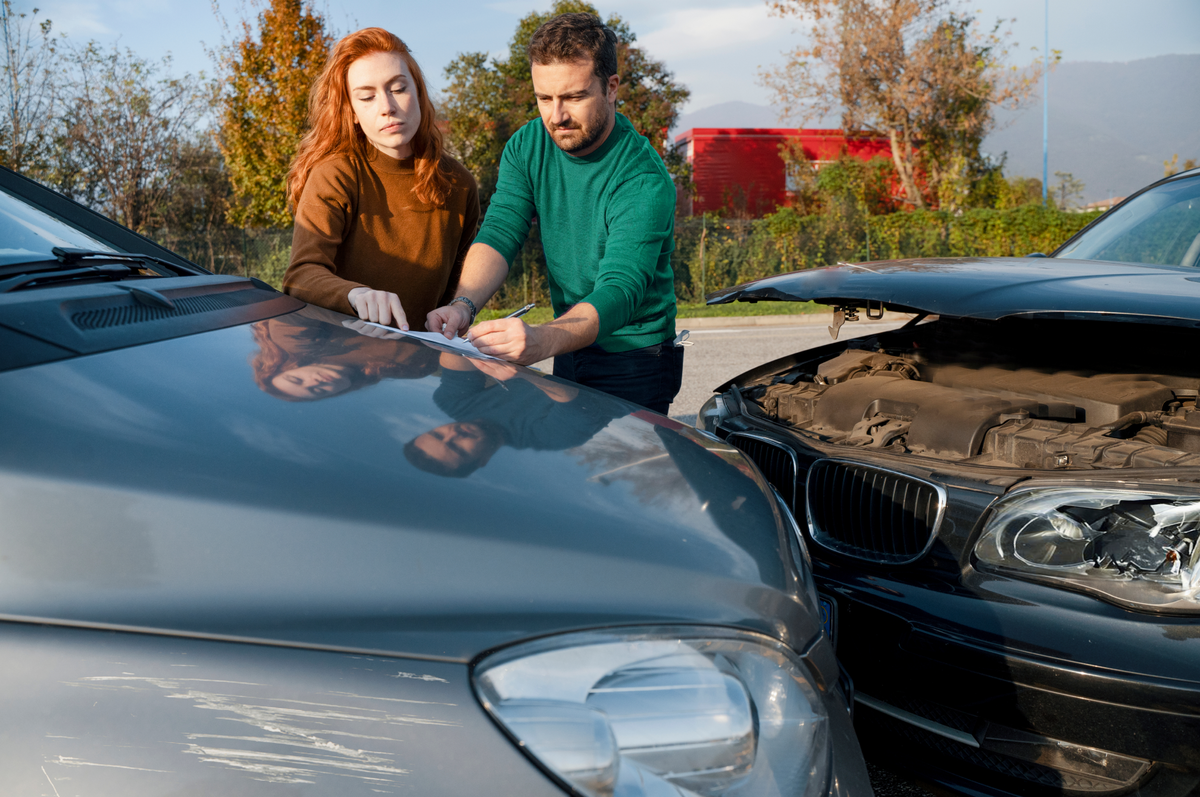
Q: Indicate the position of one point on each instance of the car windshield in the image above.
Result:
(1159, 227)
(29, 234)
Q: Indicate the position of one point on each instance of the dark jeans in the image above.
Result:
(649, 376)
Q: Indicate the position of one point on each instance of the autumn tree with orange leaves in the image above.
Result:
(265, 77)
(919, 72)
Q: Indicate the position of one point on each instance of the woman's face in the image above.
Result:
(312, 381)
(384, 100)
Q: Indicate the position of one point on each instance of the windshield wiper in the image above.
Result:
(108, 272)
(155, 264)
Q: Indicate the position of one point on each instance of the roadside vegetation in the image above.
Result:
(197, 162)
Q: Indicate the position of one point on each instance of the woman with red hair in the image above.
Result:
(384, 216)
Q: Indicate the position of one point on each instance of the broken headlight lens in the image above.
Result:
(1137, 548)
(714, 410)
(684, 712)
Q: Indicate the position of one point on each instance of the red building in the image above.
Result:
(741, 168)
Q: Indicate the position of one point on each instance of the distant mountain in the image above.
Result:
(1111, 124)
(740, 114)
(729, 114)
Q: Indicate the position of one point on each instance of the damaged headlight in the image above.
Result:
(1138, 548)
(663, 712)
(712, 413)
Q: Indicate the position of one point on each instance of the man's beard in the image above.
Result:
(590, 131)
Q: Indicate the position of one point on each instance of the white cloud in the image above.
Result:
(709, 32)
(80, 21)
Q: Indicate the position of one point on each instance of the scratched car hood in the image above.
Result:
(166, 487)
(993, 288)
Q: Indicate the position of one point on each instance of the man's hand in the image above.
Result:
(513, 340)
(510, 339)
(451, 320)
(501, 372)
(381, 307)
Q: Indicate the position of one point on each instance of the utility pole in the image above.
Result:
(1046, 112)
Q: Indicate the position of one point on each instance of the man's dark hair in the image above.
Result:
(494, 436)
(576, 37)
(428, 464)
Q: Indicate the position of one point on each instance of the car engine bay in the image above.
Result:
(992, 393)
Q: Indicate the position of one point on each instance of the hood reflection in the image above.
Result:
(495, 404)
(310, 355)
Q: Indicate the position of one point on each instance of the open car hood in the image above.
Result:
(992, 288)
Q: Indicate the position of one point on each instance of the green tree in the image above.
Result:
(29, 64)
(265, 78)
(488, 99)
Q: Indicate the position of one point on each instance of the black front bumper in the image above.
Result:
(985, 717)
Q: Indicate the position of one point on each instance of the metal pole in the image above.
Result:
(703, 234)
(1046, 113)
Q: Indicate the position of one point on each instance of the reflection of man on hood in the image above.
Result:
(513, 408)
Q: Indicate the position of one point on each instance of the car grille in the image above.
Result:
(775, 460)
(871, 513)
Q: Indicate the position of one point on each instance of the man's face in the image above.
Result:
(577, 107)
(454, 443)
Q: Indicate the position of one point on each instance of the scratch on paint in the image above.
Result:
(312, 754)
(249, 758)
(79, 762)
(56, 794)
(416, 677)
(394, 699)
(162, 681)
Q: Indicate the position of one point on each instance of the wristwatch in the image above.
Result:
(470, 306)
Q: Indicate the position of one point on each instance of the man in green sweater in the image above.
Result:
(606, 206)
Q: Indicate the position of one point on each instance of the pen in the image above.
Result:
(522, 311)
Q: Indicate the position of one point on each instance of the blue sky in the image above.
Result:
(715, 47)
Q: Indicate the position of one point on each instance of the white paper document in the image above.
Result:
(461, 345)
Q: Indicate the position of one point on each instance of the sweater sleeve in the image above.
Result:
(323, 217)
(469, 227)
(640, 221)
(510, 211)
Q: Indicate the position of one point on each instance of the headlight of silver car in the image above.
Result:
(1138, 548)
(671, 712)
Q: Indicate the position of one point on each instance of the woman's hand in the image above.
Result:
(363, 328)
(381, 307)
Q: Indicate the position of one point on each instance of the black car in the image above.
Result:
(252, 547)
(1002, 500)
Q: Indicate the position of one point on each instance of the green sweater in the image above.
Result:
(607, 222)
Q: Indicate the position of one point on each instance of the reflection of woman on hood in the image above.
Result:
(305, 358)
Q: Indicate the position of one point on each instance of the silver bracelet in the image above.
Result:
(470, 306)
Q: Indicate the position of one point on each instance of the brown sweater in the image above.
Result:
(359, 225)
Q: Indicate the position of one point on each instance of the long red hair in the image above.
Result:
(332, 130)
